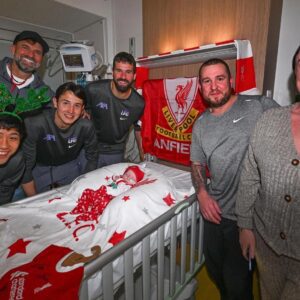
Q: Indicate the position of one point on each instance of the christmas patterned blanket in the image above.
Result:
(46, 240)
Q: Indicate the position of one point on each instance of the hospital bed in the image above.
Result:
(156, 258)
(160, 260)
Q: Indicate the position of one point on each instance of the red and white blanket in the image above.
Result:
(46, 241)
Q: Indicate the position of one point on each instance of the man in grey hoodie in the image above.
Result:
(19, 72)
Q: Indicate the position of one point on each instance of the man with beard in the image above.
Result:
(115, 106)
(54, 141)
(19, 72)
(219, 142)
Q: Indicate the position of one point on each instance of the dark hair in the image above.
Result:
(294, 58)
(124, 57)
(215, 61)
(76, 89)
(9, 121)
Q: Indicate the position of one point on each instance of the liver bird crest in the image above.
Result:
(181, 96)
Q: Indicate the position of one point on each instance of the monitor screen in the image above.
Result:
(73, 60)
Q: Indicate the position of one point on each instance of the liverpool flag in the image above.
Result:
(172, 107)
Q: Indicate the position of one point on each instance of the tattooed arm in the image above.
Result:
(198, 176)
(208, 206)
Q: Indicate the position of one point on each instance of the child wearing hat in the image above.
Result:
(131, 176)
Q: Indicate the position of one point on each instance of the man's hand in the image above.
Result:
(29, 188)
(85, 115)
(209, 208)
(247, 242)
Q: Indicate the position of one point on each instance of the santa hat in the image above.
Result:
(139, 174)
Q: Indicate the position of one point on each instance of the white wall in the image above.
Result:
(123, 21)
(289, 41)
(128, 23)
(96, 34)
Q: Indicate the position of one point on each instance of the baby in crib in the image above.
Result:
(95, 201)
(123, 183)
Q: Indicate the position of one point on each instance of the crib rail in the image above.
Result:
(173, 241)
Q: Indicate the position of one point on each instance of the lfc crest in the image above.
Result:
(180, 94)
(172, 107)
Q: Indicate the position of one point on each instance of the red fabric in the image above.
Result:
(169, 116)
(40, 280)
(169, 200)
(91, 204)
(117, 237)
(245, 75)
(18, 247)
(142, 74)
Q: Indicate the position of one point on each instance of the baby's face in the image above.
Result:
(129, 177)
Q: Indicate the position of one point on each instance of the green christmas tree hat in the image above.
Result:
(16, 106)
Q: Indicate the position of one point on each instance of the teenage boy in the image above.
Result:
(54, 141)
(12, 164)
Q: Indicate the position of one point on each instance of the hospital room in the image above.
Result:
(150, 149)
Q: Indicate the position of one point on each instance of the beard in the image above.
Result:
(24, 67)
(219, 103)
(122, 88)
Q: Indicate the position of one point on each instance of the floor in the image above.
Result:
(208, 291)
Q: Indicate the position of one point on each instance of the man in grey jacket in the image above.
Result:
(19, 72)
(219, 141)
